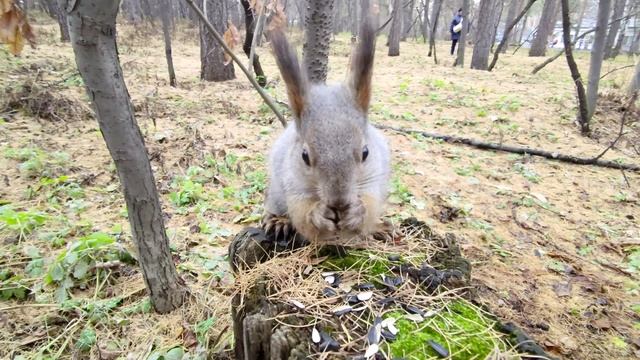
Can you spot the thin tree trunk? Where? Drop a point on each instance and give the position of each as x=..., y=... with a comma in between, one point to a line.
x=545, y=28
x=212, y=61
x=97, y=59
x=61, y=17
x=578, y=26
x=396, y=28
x=618, y=11
x=462, y=42
x=317, y=38
x=164, y=9
x=583, y=116
x=250, y=27
x=505, y=37
x=618, y=46
x=523, y=28
x=497, y=15
x=435, y=16
x=425, y=20
x=407, y=19
x=634, y=84
x=597, y=55
x=483, y=37
x=514, y=6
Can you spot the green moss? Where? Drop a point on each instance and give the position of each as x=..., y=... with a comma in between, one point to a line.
x=461, y=328
x=371, y=264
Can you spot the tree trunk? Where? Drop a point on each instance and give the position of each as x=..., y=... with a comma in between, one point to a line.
x=497, y=15
x=250, y=27
x=514, y=7
x=407, y=19
x=60, y=16
x=147, y=11
x=132, y=10
x=583, y=117
x=507, y=30
x=425, y=20
x=618, y=11
x=462, y=42
x=523, y=28
x=164, y=9
x=634, y=84
x=483, y=37
x=213, y=67
x=396, y=28
x=435, y=15
x=317, y=38
x=597, y=55
x=94, y=45
x=545, y=28
x=618, y=46
x=578, y=26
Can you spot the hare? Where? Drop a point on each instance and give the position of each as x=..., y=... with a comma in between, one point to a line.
x=329, y=170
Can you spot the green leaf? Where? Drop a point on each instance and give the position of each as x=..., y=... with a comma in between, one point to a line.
x=86, y=340
x=60, y=295
x=56, y=273
x=174, y=354
x=35, y=267
x=81, y=269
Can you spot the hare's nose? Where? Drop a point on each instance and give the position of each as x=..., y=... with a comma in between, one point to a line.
x=339, y=207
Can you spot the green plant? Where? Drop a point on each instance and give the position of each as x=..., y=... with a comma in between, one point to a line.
x=22, y=222
x=187, y=192
x=400, y=193
x=77, y=262
x=527, y=172
x=12, y=286
x=36, y=163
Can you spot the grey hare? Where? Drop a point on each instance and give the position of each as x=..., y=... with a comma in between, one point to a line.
x=330, y=168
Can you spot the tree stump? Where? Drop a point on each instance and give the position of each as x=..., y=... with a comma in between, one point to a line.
x=267, y=325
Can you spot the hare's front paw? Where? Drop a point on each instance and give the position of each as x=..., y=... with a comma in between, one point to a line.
x=354, y=217
x=280, y=226
x=321, y=217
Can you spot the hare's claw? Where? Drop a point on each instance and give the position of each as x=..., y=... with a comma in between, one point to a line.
x=386, y=232
x=279, y=226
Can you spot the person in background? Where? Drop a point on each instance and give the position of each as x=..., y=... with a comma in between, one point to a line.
x=455, y=28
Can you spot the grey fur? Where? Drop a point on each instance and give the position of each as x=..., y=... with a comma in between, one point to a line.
x=333, y=129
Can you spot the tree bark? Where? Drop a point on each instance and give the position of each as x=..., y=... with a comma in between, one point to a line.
x=545, y=28
x=61, y=17
x=505, y=38
x=618, y=46
x=497, y=15
x=407, y=19
x=483, y=37
x=583, y=116
x=462, y=42
x=523, y=28
x=212, y=63
x=93, y=37
x=164, y=9
x=514, y=6
x=250, y=27
x=317, y=38
x=597, y=55
x=578, y=26
x=435, y=16
x=634, y=84
x=425, y=20
x=618, y=11
x=396, y=28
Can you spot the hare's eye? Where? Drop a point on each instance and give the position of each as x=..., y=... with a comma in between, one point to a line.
x=305, y=157
x=365, y=153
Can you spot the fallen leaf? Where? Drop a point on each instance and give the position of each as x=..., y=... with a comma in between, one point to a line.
x=14, y=28
x=232, y=39
x=602, y=323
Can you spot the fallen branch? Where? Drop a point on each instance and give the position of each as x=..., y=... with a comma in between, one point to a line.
x=267, y=99
x=623, y=121
x=616, y=69
x=516, y=149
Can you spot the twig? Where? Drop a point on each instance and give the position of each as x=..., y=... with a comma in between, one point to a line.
x=517, y=150
x=625, y=178
x=257, y=33
x=267, y=99
x=630, y=106
x=505, y=35
x=26, y=305
x=614, y=70
x=533, y=33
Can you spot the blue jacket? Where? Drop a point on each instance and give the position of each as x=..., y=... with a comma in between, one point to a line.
x=456, y=20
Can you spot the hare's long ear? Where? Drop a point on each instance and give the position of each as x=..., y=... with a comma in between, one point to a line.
x=292, y=75
x=362, y=64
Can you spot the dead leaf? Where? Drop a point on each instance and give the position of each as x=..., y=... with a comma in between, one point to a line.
x=279, y=19
x=232, y=39
x=562, y=289
x=189, y=338
x=601, y=324
x=14, y=28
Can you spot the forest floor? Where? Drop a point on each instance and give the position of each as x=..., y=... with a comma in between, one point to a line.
x=555, y=247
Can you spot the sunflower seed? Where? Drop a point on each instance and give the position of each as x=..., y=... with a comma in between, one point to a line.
x=414, y=317
x=365, y=286
x=393, y=329
x=328, y=273
x=393, y=257
x=388, y=335
x=307, y=270
x=364, y=296
x=329, y=292
x=441, y=350
x=371, y=350
x=341, y=310
x=373, y=336
x=328, y=343
x=315, y=336
x=413, y=309
x=298, y=304
x=430, y=313
x=352, y=299
x=330, y=279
